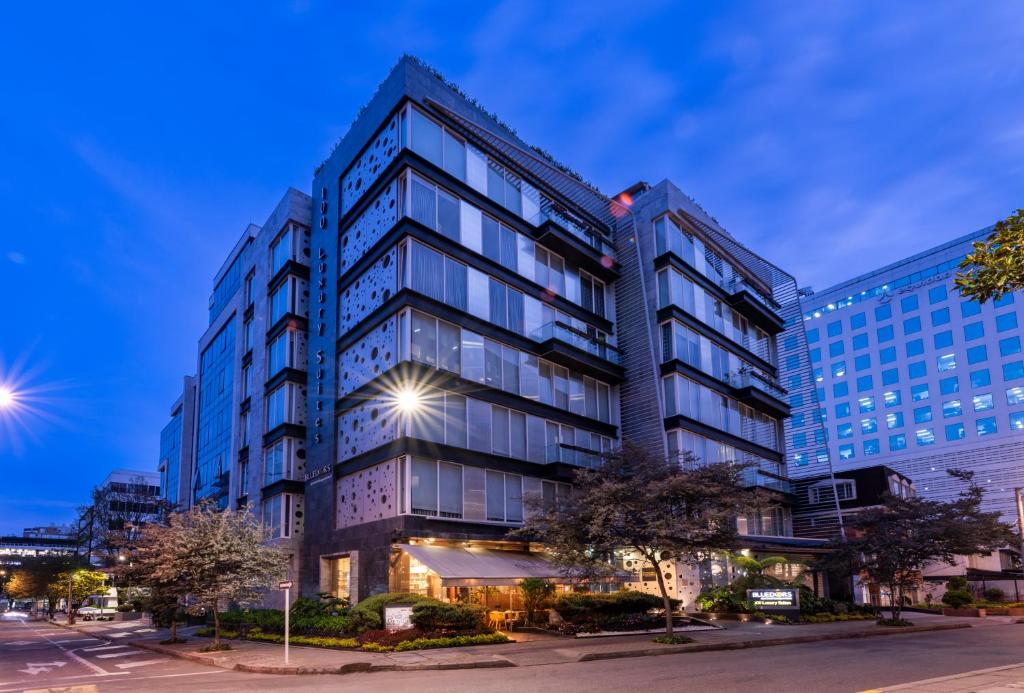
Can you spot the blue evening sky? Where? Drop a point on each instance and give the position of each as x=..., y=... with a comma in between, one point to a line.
x=136, y=143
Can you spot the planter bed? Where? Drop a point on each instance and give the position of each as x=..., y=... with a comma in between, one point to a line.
x=1005, y=610
x=973, y=613
x=336, y=643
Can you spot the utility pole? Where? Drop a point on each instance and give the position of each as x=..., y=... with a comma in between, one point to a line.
x=71, y=593
x=1019, y=494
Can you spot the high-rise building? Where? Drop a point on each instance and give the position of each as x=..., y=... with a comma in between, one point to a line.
x=481, y=323
x=911, y=376
x=176, y=447
x=121, y=505
x=237, y=434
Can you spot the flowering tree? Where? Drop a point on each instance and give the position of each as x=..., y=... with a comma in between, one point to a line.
x=216, y=556
x=995, y=266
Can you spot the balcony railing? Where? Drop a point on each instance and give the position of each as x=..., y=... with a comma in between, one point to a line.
x=570, y=454
x=550, y=211
x=573, y=337
x=746, y=377
x=738, y=284
x=752, y=476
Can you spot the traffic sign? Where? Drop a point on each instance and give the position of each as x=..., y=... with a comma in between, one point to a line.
x=286, y=584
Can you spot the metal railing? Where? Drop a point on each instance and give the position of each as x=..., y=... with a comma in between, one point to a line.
x=571, y=454
x=573, y=337
x=751, y=378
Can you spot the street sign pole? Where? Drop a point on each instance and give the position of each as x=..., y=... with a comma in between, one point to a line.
x=287, y=587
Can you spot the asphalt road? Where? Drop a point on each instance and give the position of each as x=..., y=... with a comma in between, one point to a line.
x=28, y=653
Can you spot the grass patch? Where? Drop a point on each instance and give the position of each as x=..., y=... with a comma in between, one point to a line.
x=173, y=641
x=671, y=639
x=216, y=648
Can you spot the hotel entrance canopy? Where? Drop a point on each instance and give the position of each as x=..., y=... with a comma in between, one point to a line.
x=462, y=567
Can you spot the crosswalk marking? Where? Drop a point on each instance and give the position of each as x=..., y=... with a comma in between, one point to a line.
x=145, y=630
x=119, y=654
x=119, y=635
x=103, y=647
x=76, y=640
x=142, y=663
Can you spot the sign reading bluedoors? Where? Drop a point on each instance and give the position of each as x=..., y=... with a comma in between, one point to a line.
x=776, y=599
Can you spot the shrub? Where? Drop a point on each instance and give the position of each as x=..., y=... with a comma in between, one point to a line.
x=994, y=594
x=456, y=641
x=894, y=622
x=536, y=593
x=672, y=639
x=722, y=599
x=580, y=607
x=457, y=618
x=369, y=613
x=957, y=599
x=958, y=583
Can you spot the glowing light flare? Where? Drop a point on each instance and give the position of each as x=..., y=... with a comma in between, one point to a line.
x=8, y=397
x=408, y=400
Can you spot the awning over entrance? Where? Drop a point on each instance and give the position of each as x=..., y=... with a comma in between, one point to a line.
x=461, y=567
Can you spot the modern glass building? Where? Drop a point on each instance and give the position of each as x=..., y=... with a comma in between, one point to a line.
x=176, y=447
x=909, y=375
x=244, y=445
x=483, y=323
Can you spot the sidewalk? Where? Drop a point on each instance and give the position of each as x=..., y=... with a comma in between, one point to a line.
x=533, y=650
x=1008, y=679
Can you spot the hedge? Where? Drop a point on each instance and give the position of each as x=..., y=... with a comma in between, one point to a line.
x=582, y=606
x=435, y=643
x=448, y=617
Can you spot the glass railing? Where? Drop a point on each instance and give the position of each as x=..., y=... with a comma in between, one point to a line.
x=751, y=378
x=753, y=476
x=573, y=337
x=570, y=454
x=737, y=284
x=549, y=213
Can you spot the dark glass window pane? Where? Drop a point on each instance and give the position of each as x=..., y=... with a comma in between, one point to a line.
x=455, y=284
x=428, y=271
x=455, y=156
x=449, y=347
x=491, y=243
x=499, y=308
x=423, y=341
x=509, y=255
x=424, y=201
x=426, y=137
x=515, y=311
x=455, y=420
x=492, y=363
x=495, y=182
x=448, y=215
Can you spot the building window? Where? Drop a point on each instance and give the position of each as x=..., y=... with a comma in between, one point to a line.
x=908, y=303
x=279, y=461
x=822, y=493
x=1009, y=346
x=282, y=300
x=892, y=398
x=839, y=369
x=925, y=436
x=1014, y=396
x=281, y=406
x=955, y=431
x=945, y=362
x=281, y=352
x=890, y=376
x=919, y=392
x=248, y=293
x=981, y=378
x=915, y=347
x=922, y=414
x=983, y=402
x=969, y=308
x=504, y=497
x=974, y=330
x=948, y=386
x=277, y=516
x=951, y=408
x=857, y=321
x=883, y=313
x=897, y=442
x=940, y=317
x=977, y=354
x=894, y=420
x=866, y=404
x=918, y=369
x=1006, y=321
x=944, y=339
x=592, y=294
x=872, y=447
x=869, y=425
x=844, y=430
x=281, y=251
x=435, y=488
x=1013, y=370
x=834, y=329
x=937, y=294
x=864, y=383
x=1017, y=420
x=887, y=355
x=986, y=426
x=842, y=410
x=499, y=243
x=836, y=349
x=846, y=451
x=912, y=325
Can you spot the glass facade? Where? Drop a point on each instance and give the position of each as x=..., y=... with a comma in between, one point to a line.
x=170, y=458
x=215, y=418
x=942, y=366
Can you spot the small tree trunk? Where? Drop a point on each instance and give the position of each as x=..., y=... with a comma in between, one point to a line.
x=894, y=606
x=664, y=597
x=216, y=626
x=174, y=624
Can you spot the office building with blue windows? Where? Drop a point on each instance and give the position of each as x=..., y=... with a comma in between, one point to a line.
x=909, y=375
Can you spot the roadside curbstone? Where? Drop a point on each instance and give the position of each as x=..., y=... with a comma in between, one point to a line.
x=767, y=642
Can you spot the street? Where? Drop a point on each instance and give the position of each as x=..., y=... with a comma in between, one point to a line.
x=36, y=655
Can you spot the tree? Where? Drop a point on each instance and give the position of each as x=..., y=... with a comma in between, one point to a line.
x=36, y=576
x=77, y=584
x=663, y=510
x=535, y=592
x=890, y=545
x=754, y=570
x=996, y=265
x=215, y=556
x=110, y=526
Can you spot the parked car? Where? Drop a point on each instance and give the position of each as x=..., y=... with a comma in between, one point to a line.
x=90, y=612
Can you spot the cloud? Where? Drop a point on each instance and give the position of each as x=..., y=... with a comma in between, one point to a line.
x=17, y=258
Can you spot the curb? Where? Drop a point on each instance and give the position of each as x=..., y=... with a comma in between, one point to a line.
x=952, y=677
x=350, y=668
x=750, y=644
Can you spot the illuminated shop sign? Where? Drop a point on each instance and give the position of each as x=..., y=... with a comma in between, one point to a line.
x=776, y=599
